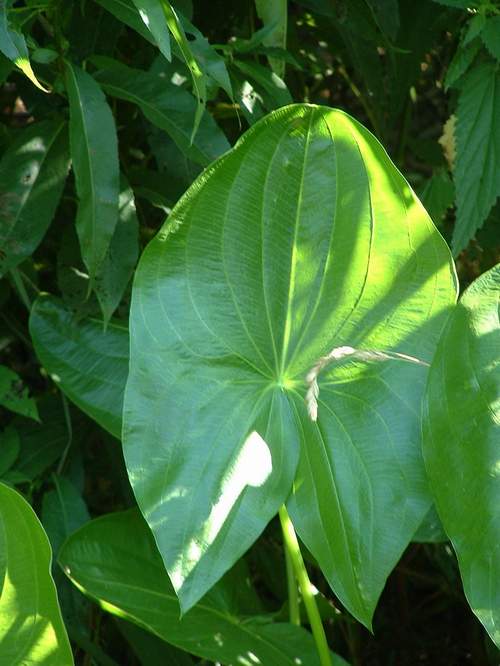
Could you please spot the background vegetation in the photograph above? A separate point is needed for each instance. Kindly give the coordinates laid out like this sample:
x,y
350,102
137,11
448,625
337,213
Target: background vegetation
x,y
100,103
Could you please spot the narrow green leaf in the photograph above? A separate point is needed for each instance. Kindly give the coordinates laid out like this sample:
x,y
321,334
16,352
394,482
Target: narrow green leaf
x,y
32,175
169,107
89,364
9,449
275,13
14,395
490,35
13,46
116,270
94,152
126,12
175,27
461,437
31,627
478,151
114,560
153,16
302,239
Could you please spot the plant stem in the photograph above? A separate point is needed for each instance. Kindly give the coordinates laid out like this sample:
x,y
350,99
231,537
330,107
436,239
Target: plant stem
x,y
293,596
306,589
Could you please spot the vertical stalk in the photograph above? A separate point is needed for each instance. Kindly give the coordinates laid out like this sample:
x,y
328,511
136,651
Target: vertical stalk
x,y
293,548
293,593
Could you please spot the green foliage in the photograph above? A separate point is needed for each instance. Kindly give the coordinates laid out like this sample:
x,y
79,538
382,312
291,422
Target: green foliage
x,y
283,319
31,627
462,416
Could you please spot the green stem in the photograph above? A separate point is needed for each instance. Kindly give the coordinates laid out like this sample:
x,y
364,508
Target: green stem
x,y
19,285
306,589
293,593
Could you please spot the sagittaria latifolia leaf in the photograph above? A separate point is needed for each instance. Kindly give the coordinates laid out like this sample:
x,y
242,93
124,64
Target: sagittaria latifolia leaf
x,y
301,239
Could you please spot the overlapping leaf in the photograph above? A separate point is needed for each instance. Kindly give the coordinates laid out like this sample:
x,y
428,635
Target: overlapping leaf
x,y
94,153
303,238
462,442
31,628
32,176
114,560
89,363
167,106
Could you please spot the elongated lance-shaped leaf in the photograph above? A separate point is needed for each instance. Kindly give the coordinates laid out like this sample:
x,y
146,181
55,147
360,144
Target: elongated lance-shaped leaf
x,y
169,107
462,442
302,239
31,627
13,46
88,363
115,561
199,87
94,152
153,17
32,175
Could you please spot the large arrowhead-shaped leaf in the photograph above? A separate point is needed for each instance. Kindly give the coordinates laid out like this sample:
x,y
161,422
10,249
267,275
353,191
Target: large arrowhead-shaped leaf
x,y
31,627
114,560
462,442
303,238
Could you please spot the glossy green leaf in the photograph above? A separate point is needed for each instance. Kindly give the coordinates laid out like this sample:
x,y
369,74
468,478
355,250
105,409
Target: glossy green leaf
x,y
9,448
302,239
32,175
169,107
31,628
275,13
116,270
153,17
13,46
14,395
114,560
94,153
478,150
461,443
88,363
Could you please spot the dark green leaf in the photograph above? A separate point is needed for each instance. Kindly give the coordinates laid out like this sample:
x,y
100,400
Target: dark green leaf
x,y
438,195
490,35
94,153
41,443
114,560
302,239
32,176
478,151
271,87
462,60
31,627
14,395
153,17
169,107
88,363
430,529
126,11
386,13
116,270
9,449
462,432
